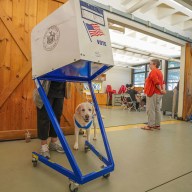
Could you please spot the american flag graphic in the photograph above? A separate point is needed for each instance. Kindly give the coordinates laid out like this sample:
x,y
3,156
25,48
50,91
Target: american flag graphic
x,y
94,30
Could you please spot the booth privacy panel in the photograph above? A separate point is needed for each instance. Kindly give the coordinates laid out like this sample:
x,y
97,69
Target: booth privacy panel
x,y
74,34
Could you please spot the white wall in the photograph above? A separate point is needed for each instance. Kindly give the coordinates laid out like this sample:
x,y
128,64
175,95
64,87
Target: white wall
x,y
116,77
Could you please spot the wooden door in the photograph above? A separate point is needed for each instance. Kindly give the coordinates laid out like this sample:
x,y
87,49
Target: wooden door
x,y
17,110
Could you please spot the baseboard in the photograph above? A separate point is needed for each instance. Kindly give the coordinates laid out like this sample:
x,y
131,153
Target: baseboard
x,y
20,134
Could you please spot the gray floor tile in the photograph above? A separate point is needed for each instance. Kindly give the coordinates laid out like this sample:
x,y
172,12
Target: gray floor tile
x,y
117,117
183,184
143,159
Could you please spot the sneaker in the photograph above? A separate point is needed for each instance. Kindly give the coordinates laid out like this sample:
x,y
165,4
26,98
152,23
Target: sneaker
x,y
44,151
56,146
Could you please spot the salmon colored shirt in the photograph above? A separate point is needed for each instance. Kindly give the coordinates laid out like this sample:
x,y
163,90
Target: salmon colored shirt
x,y
154,78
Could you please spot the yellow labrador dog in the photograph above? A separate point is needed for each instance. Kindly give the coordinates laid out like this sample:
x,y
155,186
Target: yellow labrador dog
x,y
83,119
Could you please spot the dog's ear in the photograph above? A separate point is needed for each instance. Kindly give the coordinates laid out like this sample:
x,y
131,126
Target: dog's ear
x,y
78,109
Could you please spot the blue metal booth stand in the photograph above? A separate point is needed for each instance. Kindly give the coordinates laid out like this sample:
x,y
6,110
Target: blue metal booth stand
x,y
72,44
85,72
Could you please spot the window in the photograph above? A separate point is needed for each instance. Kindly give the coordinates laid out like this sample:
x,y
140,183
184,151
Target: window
x,y
173,74
97,86
139,79
139,75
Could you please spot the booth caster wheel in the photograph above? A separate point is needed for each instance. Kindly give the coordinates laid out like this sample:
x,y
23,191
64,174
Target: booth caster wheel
x,y
73,187
35,164
34,161
86,149
106,175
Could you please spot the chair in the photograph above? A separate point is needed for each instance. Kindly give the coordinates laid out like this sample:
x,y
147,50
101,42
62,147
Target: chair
x,y
122,89
127,102
109,92
141,99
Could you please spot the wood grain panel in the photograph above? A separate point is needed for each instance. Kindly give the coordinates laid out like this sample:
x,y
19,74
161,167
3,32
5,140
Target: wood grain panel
x,y
14,32
20,134
17,110
187,102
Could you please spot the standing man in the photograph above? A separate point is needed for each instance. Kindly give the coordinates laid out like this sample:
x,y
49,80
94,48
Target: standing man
x,y
55,92
154,89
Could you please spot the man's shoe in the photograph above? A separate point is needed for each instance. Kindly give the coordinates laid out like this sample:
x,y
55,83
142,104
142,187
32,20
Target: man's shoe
x,y
44,151
56,146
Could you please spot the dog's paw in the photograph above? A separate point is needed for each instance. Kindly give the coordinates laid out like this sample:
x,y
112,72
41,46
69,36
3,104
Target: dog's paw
x,y
94,138
84,135
76,147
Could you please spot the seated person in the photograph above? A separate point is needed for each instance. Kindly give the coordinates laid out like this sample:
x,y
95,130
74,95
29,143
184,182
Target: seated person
x,y
132,93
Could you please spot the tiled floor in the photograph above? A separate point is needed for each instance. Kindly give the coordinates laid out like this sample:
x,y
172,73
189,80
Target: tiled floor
x,y
116,116
156,161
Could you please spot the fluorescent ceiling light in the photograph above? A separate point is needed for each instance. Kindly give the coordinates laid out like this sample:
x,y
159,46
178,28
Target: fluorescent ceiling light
x,y
122,58
151,45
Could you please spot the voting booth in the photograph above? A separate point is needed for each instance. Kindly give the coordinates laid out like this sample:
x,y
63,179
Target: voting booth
x,y
73,44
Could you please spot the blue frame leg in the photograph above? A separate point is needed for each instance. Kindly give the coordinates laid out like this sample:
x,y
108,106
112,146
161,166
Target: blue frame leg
x,y
75,175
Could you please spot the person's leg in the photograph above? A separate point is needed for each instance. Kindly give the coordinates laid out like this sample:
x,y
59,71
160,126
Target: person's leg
x,y
150,108
137,105
57,108
43,130
158,111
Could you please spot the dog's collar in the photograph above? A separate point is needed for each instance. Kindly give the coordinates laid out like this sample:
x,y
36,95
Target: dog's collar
x,y
84,127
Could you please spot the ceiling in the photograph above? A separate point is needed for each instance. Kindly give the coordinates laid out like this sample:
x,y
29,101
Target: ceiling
x,y
131,47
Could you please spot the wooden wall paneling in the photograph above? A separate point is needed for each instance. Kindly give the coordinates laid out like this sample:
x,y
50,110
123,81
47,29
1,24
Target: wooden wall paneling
x,y
18,15
187,110
7,58
185,83
5,62
52,6
8,7
2,55
18,113
189,81
42,10
30,19
4,116
8,22
14,82
80,96
15,106
5,46
17,63
69,108
28,107
15,32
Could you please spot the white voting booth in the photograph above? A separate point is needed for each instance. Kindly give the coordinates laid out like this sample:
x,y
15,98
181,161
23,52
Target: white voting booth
x,y
72,44
72,35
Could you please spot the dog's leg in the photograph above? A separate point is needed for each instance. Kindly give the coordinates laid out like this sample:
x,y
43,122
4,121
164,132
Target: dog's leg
x,y
84,134
95,131
76,145
88,134
88,139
